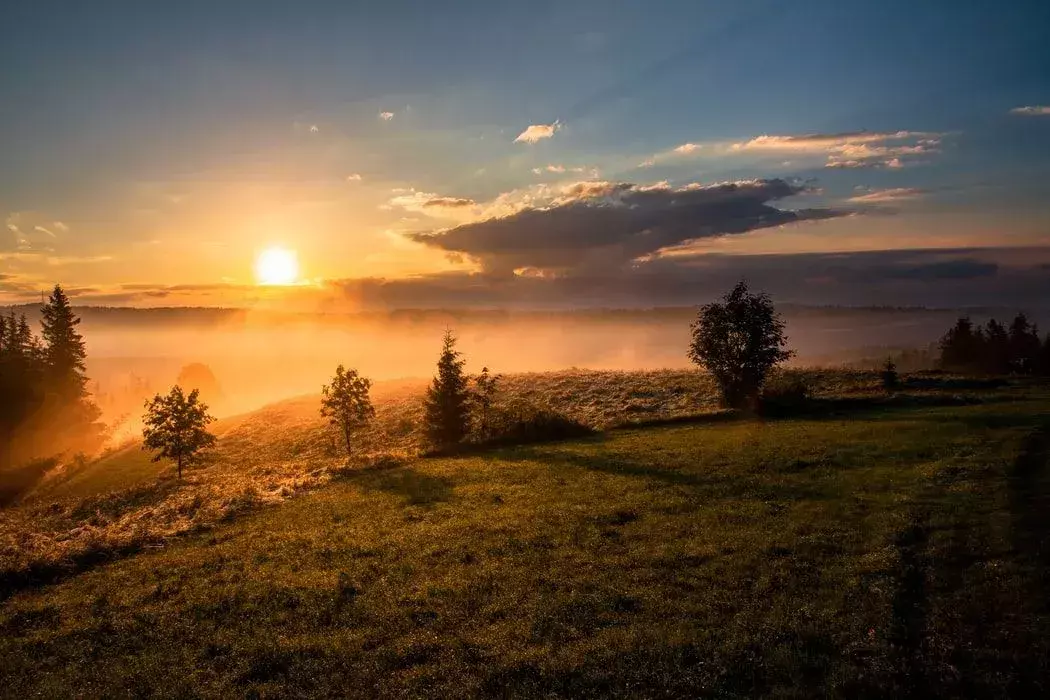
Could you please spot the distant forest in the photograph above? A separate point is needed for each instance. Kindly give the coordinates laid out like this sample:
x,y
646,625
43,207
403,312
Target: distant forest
x,y
133,316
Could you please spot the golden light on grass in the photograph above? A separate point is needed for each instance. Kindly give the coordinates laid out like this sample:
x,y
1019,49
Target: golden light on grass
x,y
277,266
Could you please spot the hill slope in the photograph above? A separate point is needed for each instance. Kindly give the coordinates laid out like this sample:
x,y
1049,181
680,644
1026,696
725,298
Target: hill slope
x,y
887,553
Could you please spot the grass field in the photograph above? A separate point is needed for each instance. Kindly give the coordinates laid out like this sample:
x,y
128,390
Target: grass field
x,y
897,550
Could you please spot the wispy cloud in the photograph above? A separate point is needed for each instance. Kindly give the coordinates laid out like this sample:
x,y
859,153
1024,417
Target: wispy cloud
x,y
687,148
538,132
895,194
448,202
859,149
353,177
560,169
386,116
1032,110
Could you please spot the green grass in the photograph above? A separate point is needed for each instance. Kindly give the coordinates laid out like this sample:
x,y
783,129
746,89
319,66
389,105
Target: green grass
x,y
893,552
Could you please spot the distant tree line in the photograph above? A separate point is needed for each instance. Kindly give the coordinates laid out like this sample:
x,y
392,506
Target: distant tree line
x,y
45,407
995,348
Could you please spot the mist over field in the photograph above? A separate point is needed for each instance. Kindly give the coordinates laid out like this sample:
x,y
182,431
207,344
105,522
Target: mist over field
x,y
260,357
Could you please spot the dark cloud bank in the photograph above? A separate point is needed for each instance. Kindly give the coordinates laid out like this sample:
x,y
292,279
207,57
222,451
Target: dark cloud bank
x,y
599,225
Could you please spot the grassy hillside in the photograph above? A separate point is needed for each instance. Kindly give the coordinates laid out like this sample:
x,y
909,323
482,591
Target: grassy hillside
x,y
83,512
887,552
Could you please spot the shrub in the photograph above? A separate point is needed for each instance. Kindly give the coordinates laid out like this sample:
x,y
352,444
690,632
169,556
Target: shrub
x,y
784,396
890,378
522,422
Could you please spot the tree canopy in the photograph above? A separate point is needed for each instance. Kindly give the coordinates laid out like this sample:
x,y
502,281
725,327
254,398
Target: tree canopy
x,y
175,427
346,403
739,340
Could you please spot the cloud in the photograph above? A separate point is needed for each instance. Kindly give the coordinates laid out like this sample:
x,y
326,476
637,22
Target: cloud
x,y
895,194
32,231
1032,110
687,148
559,169
856,149
314,129
353,177
936,277
386,116
538,132
449,202
596,224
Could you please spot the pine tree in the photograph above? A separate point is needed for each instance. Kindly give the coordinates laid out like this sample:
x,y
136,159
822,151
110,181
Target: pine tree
x,y
962,346
996,355
447,410
1024,345
64,353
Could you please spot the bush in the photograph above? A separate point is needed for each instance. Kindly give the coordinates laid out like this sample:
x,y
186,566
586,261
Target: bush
x,y
522,422
784,396
890,378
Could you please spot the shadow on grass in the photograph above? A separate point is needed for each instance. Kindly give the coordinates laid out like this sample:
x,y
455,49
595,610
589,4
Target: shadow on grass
x,y
416,488
17,481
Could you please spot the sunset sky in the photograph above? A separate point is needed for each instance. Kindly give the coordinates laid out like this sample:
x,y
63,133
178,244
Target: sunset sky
x,y
590,153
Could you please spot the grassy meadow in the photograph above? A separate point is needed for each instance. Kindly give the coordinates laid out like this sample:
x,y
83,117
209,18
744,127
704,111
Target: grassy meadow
x,y
879,546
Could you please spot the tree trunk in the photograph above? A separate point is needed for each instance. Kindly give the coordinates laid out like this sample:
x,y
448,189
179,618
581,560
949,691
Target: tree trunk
x,y
346,434
180,467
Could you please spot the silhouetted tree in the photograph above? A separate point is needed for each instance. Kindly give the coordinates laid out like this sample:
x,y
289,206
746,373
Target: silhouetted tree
x,y
64,352
995,355
962,347
176,426
481,399
890,378
1024,345
739,340
345,403
1044,357
446,410
21,383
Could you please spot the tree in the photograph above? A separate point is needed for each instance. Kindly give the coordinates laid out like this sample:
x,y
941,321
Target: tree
x,y
64,352
176,427
21,390
1024,345
995,358
345,402
482,398
738,341
962,347
446,410
890,378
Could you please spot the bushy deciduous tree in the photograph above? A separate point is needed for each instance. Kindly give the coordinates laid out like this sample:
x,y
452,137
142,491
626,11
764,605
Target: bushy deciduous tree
x,y
176,427
346,404
446,410
739,340
482,398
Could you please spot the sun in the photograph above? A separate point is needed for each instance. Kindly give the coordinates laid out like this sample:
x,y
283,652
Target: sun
x,y
277,266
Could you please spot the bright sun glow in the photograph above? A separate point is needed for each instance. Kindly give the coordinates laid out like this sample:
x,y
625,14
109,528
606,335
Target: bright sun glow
x,y
277,266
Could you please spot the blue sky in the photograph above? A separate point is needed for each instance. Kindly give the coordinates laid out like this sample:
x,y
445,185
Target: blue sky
x,y
152,150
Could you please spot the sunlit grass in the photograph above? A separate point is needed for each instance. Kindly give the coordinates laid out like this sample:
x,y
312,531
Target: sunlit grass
x,y
752,558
